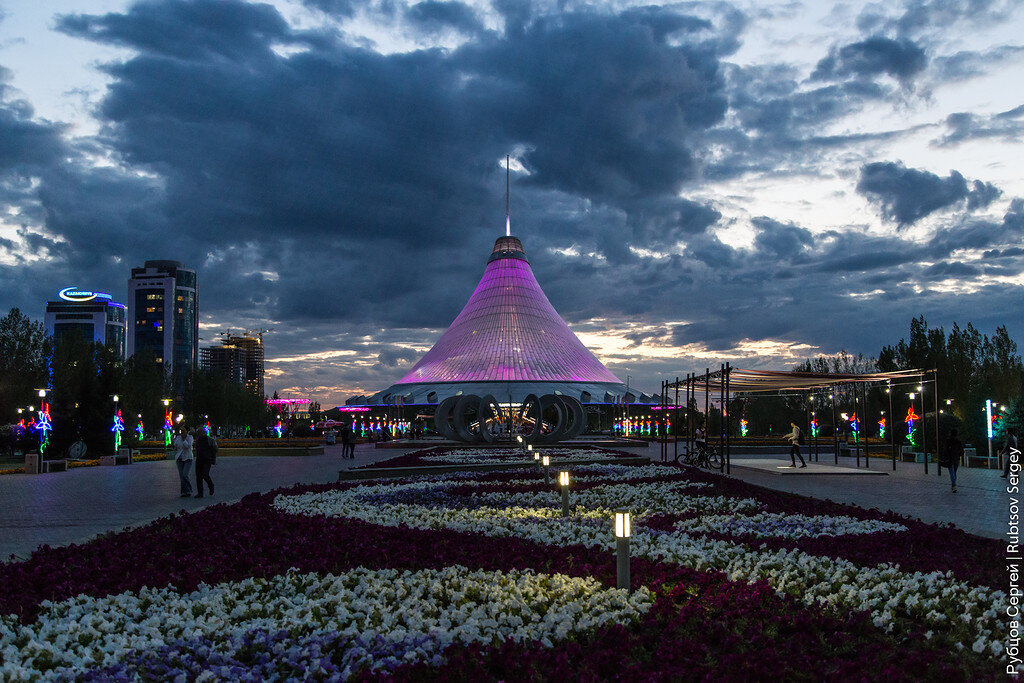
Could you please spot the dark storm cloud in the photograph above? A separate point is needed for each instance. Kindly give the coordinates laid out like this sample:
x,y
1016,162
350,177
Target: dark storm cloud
x,y
26,144
183,29
780,239
373,172
968,64
435,17
920,16
902,59
965,126
905,195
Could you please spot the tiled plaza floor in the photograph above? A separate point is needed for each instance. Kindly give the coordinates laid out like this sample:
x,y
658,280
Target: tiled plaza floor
x,y
71,507
980,505
74,506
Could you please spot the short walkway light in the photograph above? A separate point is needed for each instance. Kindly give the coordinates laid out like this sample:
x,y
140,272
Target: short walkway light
x,y
622,534
563,481
546,462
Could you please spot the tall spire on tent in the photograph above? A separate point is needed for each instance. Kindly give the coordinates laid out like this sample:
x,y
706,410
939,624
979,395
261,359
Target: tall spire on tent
x,y
508,218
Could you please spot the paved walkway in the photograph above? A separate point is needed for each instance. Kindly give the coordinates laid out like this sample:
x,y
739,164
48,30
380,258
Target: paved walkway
x,y
980,505
74,506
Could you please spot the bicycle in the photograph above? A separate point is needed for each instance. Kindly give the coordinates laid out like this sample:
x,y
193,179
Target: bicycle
x,y
703,455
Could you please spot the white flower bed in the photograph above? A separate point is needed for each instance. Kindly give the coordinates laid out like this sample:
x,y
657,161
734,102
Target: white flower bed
x,y
779,525
408,616
474,456
937,600
642,500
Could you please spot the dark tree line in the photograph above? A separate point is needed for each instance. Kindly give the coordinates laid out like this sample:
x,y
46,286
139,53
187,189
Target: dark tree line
x,y
83,377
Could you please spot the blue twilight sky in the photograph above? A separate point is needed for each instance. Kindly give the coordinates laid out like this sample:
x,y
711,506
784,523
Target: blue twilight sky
x,y
693,182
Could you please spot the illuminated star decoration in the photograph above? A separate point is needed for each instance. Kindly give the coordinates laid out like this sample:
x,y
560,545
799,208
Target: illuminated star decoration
x,y
743,427
909,419
117,428
881,428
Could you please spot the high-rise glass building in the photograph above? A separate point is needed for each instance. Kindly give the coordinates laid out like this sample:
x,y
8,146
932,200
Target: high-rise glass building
x,y
239,358
163,317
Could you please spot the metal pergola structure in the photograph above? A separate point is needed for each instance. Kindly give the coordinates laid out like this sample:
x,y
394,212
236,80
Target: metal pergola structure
x,y
728,381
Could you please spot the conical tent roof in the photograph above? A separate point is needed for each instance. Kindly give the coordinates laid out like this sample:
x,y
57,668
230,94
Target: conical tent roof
x,y
508,331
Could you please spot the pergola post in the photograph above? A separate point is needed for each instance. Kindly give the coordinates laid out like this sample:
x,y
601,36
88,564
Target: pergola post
x,y
835,424
924,426
864,421
938,444
891,428
675,432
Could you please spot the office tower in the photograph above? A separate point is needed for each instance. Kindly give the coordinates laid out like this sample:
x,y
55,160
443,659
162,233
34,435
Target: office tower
x,y
95,316
163,314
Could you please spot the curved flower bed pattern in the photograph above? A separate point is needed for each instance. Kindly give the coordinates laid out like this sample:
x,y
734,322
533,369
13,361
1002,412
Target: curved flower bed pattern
x,y
957,614
731,581
377,619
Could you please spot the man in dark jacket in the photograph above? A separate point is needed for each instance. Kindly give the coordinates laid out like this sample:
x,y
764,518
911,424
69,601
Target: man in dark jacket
x,y
206,455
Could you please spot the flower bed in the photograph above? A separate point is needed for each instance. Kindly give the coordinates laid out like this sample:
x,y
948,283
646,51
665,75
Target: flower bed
x,y
725,600
473,456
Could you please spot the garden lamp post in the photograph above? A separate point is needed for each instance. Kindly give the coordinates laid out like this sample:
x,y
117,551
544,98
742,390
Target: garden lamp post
x,y
622,534
563,481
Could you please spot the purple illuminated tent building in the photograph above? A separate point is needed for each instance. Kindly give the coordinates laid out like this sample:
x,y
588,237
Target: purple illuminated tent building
x,y
507,358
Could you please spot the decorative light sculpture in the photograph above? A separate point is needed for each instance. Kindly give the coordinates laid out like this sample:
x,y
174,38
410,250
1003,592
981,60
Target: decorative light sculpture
x,y
814,426
117,428
622,534
139,429
743,426
279,429
168,425
909,419
44,426
855,427
881,428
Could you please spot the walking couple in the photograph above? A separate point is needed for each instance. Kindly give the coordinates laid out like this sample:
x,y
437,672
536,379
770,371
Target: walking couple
x,y
201,448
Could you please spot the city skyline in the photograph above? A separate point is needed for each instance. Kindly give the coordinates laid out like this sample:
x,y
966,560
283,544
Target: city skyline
x,y
746,182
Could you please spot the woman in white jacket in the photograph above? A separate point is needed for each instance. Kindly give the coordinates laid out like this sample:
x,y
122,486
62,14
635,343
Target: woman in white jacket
x,y
183,459
794,449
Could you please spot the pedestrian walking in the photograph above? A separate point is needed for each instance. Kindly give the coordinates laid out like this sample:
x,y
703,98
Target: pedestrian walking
x,y
952,453
1010,448
206,456
346,440
796,437
183,459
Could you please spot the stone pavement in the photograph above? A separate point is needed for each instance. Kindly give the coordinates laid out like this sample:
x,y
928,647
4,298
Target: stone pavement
x,y
980,505
74,506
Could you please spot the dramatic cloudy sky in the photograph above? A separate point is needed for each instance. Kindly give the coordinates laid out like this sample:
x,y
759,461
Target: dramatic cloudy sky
x,y
694,182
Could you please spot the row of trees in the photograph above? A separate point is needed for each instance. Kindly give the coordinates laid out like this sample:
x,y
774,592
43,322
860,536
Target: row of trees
x,y
971,367
83,378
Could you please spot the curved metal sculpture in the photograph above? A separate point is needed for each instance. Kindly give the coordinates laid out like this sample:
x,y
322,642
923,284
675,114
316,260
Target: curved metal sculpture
x,y
471,419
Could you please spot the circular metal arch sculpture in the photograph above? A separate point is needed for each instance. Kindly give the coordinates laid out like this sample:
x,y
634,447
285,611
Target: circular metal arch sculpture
x,y
471,419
